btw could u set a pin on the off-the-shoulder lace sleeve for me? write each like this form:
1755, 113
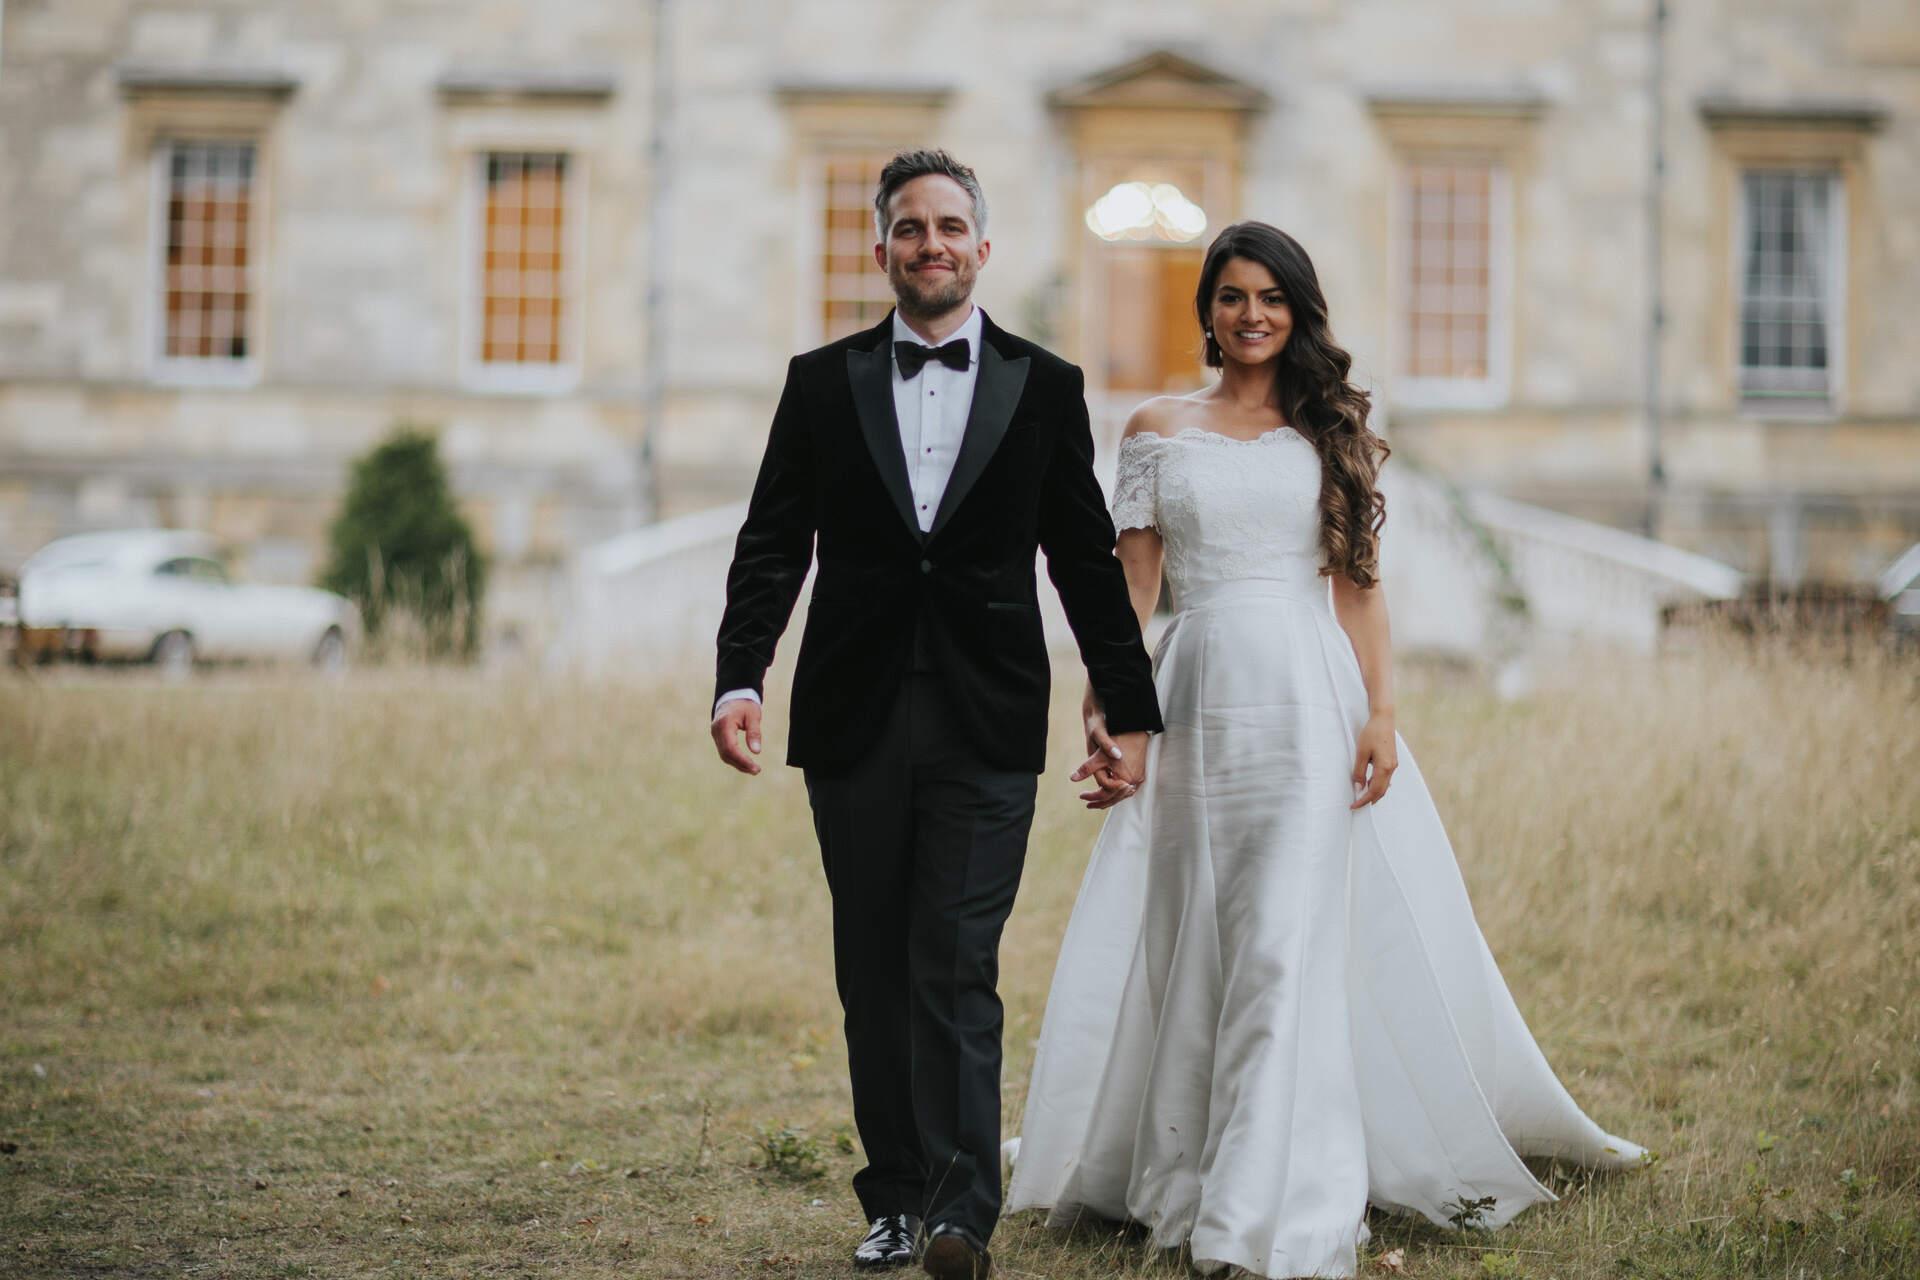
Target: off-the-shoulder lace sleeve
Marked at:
1136, 483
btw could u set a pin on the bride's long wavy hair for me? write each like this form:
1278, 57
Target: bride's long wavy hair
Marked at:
1314, 395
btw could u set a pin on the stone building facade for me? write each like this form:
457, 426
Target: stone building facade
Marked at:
242, 239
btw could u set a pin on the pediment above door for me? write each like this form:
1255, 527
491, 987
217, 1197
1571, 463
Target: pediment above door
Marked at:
1160, 80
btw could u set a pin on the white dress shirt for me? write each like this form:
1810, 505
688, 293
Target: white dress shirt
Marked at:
931, 409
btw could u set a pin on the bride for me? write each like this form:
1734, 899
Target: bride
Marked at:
1272, 1004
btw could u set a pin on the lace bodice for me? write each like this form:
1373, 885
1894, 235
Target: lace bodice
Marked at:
1226, 509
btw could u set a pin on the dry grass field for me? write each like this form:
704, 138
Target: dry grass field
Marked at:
437, 975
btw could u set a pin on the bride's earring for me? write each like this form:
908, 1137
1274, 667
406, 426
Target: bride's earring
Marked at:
1213, 356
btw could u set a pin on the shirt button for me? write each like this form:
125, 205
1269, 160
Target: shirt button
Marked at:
926, 566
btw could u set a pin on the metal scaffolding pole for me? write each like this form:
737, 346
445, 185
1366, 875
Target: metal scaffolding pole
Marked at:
1656, 299
659, 259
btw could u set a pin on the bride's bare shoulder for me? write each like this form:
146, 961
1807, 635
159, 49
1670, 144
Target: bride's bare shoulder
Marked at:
1160, 416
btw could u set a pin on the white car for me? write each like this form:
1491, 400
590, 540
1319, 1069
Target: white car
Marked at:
162, 595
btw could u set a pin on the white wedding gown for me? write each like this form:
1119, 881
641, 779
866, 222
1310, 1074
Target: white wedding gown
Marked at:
1270, 1009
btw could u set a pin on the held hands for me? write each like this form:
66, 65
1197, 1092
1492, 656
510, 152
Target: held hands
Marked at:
1117, 763
730, 721
1378, 750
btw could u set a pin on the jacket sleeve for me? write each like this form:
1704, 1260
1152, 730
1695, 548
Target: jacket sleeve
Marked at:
1077, 535
773, 551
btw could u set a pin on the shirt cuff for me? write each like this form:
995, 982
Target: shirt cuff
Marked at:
734, 695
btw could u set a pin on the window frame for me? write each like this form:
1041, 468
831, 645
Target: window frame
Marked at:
191, 570
1495, 389
824, 121
1825, 404
1807, 135
510, 377
204, 371
812, 295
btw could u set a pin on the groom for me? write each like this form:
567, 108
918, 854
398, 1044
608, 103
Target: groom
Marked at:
923, 461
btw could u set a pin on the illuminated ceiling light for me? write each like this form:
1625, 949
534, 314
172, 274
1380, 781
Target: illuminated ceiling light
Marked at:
1179, 215
1142, 211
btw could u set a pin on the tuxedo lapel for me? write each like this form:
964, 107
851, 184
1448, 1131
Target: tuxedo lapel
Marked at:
996, 391
871, 373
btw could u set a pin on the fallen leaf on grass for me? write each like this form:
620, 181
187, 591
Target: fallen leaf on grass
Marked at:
8, 1146
1393, 1261
703, 1220
345, 1193
259, 1184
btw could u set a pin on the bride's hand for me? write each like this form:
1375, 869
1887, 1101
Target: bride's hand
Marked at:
1117, 773
1094, 721
1377, 752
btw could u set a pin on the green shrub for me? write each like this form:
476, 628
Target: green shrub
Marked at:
402, 550
790, 1153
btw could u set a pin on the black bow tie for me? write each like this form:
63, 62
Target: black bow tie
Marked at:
913, 356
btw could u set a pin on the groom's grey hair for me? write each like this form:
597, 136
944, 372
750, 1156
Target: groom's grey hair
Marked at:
907, 166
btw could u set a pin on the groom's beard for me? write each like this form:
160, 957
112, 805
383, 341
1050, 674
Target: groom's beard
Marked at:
922, 298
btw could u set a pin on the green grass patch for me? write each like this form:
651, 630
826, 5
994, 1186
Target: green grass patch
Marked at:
445, 976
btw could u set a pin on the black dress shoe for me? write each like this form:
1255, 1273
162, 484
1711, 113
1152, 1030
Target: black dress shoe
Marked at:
892, 1241
955, 1253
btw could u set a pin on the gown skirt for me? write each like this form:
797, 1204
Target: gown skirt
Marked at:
1271, 1010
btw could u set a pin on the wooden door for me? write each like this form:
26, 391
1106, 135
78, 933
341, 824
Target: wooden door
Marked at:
1152, 338
1179, 347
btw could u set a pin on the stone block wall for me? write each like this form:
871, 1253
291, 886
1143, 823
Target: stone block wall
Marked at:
367, 264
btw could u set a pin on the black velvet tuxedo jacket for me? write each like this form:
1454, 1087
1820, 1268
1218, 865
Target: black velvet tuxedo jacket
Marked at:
834, 479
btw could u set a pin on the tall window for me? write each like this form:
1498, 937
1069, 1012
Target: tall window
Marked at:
1791, 276
207, 275
1454, 241
523, 280
854, 293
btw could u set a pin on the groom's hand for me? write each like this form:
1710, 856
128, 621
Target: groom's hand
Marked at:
731, 720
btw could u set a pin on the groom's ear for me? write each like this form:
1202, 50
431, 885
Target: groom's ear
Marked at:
880, 254
986, 247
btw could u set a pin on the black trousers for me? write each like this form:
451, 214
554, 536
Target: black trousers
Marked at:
923, 845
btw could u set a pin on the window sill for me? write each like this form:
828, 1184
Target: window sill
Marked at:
1789, 409
206, 373
521, 380
1448, 393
